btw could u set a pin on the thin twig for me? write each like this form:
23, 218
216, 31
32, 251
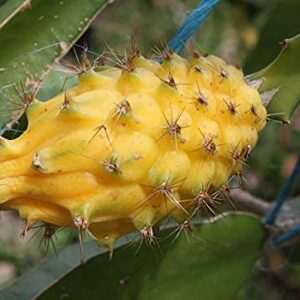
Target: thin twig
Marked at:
249, 202
283, 195
287, 236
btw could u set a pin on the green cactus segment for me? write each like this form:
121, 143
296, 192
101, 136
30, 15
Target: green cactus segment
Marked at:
275, 29
11, 8
35, 38
281, 80
210, 262
56, 81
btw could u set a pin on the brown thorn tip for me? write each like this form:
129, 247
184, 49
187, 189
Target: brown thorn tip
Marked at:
208, 144
171, 81
24, 231
196, 54
202, 99
97, 131
232, 107
49, 232
128, 65
123, 107
224, 73
147, 231
283, 44
111, 165
253, 110
198, 69
187, 225
167, 54
286, 122
101, 62
246, 152
80, 223
205, 201
84, 63
150, 235
67, 102
36, 163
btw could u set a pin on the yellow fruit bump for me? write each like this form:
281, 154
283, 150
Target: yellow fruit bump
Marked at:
131, 145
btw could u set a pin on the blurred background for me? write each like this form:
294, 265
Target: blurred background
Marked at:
246, 33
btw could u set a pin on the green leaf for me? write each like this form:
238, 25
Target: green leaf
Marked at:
32, 41
281, 81
11, 8
210, 264
280, 20
56, 81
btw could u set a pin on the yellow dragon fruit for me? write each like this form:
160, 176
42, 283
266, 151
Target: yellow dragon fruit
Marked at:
130, 146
